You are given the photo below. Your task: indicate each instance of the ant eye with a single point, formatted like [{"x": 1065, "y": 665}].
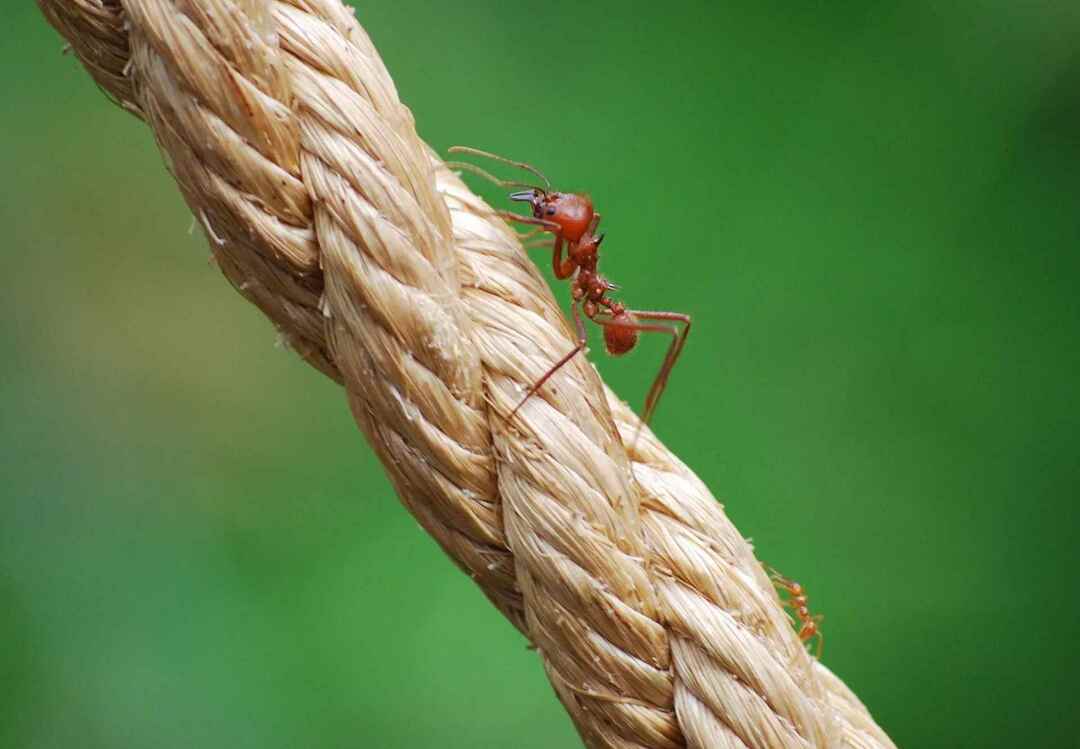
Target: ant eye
[{"x": 551, "y": 211}]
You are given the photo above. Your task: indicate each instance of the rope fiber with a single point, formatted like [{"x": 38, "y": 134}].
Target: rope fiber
[{"x": 283, "y": 129}]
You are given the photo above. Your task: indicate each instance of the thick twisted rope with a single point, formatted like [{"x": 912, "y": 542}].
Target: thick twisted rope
[{"x": 656, "y": 625}]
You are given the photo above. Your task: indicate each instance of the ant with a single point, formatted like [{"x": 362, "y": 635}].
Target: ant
[
  {"x": 570, "y": 217},
  {"x": 810, "y": 626}
]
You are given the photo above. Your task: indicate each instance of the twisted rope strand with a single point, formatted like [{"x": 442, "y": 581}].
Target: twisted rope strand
[{"x": 284, "y": 131}]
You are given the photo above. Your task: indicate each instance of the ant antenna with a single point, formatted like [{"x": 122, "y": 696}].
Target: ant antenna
[
  {"x": 519, "y": 164},
  {"x": 505, "y": 183}
]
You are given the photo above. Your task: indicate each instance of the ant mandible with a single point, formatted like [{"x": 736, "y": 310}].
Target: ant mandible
[
  {"x": 809, "y": 626},
  {"x": 570, "y": 217}
]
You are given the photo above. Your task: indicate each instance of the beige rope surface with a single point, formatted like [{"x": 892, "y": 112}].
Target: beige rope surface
[{"x": 284, "y": 131}]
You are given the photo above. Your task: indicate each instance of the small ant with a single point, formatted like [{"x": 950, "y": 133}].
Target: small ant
[
  {"x": 573, "y": 222},
  {"x": 810, "y": 626}
]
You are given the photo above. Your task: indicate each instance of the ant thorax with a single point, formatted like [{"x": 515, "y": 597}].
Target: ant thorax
[
  {"x": 590, "y": 286},
  {"x": 585, "y": 251}
]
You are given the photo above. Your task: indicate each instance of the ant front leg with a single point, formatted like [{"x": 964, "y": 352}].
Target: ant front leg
[
  {"x": 678, "y": 340},
  {"x": 778, "y": 579},
  {"x": 537, "y": 243},
  {"x": 563, "y": 268},
  {"x": 579, "y": 324},
  {"x": 528, "y": 237},
  {"x": 538, "y": 222}
]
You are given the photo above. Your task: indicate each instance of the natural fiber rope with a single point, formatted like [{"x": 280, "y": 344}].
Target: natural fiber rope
[{"x": 656, "y": 625}]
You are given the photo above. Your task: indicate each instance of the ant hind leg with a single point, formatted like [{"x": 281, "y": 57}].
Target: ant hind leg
[
  {"x": 678, "y": 340},
  {"x": 582, "y": 338},
  {"x": 672, "y": 356}
]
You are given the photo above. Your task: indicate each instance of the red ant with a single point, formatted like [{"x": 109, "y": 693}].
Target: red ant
[
  {"x": 573, "y": 222},
  {"x": 810, "y": 626}
]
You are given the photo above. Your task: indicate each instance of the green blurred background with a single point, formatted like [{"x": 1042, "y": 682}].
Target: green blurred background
[{"x": 871, "y": 212}]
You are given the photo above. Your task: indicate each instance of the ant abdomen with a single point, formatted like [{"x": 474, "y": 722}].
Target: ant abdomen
[{"x": 619, "y": 336}]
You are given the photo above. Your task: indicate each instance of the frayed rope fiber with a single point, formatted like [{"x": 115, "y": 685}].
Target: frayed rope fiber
[{"x": 653, "y": 621}]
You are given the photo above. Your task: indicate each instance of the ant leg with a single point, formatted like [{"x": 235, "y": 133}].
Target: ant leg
[
  {"x": 579, "y": 324},
  {"x": 650, "y": 400},
  {"x": 487, "y": 155},
  {"x": 544, "y": 225},
  {"x": 474, "y": 169},
  {"x": 594, "y": 223},
  {"x": 677, "y": 343},
  {"x": 678, "y": 340},
  {"x": 563, "y": 268},
  {"x": 538, "y": 243},
  {"x": 794, "y": 597},
  {"x": 783, "y": 583}
]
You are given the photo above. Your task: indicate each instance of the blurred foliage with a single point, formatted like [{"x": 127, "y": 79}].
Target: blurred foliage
[{"x": 871, "y": 211}]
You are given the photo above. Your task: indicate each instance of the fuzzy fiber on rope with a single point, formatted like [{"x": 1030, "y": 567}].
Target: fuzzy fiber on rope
[{"x": 653, "y": 620}]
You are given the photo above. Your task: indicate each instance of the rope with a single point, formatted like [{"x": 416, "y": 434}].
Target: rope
[{"x": 654, "y": 622}]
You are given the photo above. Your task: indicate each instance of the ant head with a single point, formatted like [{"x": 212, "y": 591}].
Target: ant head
[{"x": 572, "y": 212}]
